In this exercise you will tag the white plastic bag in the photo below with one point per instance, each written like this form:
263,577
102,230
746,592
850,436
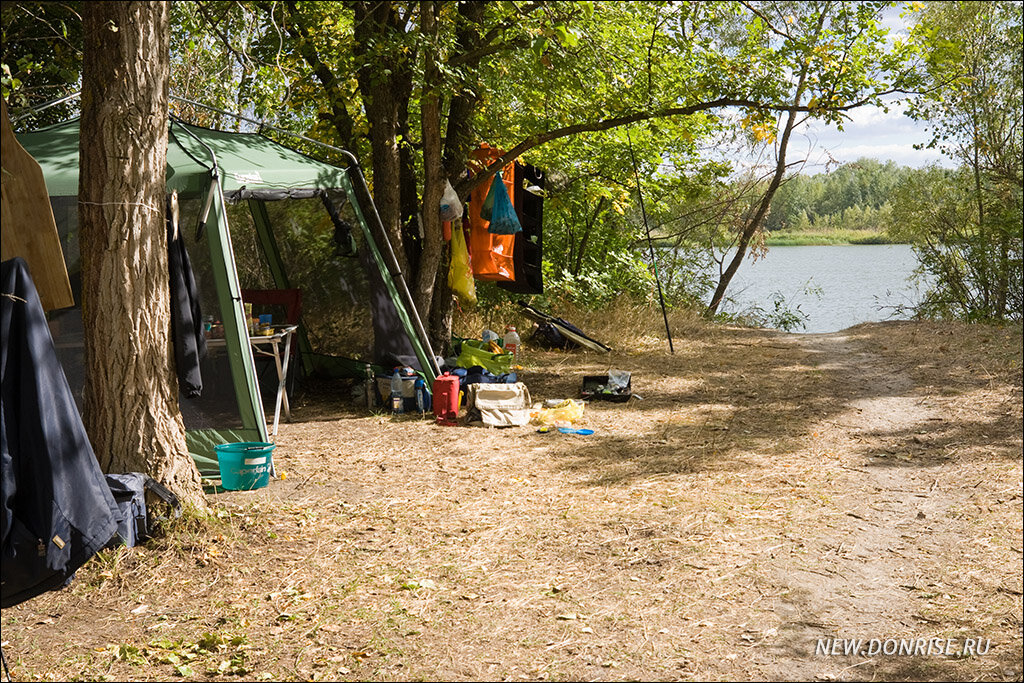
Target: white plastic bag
451,207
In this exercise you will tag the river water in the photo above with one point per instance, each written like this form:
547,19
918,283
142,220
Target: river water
835,287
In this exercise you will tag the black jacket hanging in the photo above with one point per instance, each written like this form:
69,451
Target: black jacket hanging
186,316
56,510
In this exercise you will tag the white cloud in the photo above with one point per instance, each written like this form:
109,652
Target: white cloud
873,133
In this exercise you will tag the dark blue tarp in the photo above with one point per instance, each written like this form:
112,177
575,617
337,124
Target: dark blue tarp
57,510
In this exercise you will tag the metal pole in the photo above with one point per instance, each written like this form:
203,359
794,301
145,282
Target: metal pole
650,244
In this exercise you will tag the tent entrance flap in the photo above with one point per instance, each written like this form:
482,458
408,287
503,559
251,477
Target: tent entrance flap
236,327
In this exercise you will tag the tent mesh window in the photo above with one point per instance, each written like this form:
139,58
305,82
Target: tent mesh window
217,406
336,312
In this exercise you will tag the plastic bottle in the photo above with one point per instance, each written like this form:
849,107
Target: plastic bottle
512,341
397,400
422,396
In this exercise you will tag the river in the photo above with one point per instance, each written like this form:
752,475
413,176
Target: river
835,287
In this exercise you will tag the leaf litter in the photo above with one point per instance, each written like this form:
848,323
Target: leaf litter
704,532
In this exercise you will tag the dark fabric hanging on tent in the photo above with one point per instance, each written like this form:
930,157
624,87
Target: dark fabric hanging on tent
57,510
390,338
186,315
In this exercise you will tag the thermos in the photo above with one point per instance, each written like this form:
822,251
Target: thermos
422,396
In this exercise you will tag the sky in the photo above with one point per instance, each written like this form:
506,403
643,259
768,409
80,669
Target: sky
871,132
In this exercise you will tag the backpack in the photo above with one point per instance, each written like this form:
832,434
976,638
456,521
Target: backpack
545,335
129,491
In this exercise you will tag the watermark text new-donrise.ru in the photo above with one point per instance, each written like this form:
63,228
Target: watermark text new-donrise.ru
907,647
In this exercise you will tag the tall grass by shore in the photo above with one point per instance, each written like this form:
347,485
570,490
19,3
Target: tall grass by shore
622,325
806,238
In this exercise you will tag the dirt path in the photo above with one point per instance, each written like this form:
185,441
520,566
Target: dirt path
862,585
771,497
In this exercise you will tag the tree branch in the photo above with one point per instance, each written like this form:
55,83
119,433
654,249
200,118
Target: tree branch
466,186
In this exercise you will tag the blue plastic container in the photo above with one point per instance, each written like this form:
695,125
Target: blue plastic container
246,465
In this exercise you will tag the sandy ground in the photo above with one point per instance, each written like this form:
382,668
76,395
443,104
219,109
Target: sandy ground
776,507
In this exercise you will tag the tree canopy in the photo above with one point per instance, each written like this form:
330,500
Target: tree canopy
572,87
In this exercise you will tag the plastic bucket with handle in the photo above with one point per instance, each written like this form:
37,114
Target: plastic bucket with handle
246,465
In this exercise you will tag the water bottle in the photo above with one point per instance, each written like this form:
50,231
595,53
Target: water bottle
511,341
422,396
397,401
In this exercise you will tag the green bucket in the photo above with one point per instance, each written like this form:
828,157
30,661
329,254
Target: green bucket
246,465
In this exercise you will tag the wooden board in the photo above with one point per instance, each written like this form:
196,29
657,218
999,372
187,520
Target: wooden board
29,230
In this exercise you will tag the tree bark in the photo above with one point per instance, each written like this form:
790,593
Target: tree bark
433,175
757,220
384,80
131,399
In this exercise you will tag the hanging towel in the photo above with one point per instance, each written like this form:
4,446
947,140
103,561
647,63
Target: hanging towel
186,316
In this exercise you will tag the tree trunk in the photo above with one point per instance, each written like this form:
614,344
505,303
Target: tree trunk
458,140
384,79
433,175
131,399
757,220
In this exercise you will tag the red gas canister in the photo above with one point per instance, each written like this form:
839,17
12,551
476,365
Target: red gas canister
446,399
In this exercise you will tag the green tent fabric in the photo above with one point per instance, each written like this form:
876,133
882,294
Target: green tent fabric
247,162
214,167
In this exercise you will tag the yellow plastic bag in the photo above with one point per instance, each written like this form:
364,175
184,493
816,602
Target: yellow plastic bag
460,275
566,411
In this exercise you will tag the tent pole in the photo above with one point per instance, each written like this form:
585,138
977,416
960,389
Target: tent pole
650,244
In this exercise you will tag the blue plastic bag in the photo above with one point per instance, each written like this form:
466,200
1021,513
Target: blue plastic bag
504,220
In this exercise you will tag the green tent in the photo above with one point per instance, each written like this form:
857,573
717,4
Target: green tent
208,169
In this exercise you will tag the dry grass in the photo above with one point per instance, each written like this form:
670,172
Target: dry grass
758,498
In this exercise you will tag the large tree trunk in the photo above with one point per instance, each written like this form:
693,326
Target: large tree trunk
131,397
433,175
384,80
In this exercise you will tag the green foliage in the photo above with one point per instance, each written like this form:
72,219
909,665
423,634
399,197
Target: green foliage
42,58
966,226
558,82
856,196
976,271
